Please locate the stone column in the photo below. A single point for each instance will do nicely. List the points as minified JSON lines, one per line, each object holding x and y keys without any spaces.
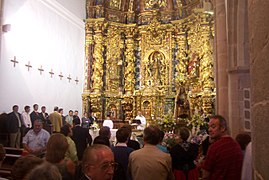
{"x":221,"y":58}
{"x":259,"y":73}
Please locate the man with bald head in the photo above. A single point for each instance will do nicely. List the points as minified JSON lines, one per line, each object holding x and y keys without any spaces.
{"x":98,"y":163}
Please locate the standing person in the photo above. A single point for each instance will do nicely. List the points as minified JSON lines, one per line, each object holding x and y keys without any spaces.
{"x":142,"y":120}
{"x":98,"y":163}
{"x":35,"y":114}
{"x":14,"y":125}
{"x":108,"y":122}
{"x":92,"y":118}
{"x":149,"y":162}
{"x":56,"y":120}
{"x":75,"y":116}
{"x":69,"y":117}
{"x":224,"y":157}
{"x":85,"y":121}
{"x":81,"y":137}
{"x":26,"y":120}
{"x":121,"y":154}
{"x":35,"y":141}
{"x":43,"y":115}
{"x":183,"y":155}
{"x":61,"y":112}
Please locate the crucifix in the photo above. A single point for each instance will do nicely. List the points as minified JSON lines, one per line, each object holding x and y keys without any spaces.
{"x":14,"y":61}
{"x":69,"y":78}
{"x":51,"y":73}
{"x":40,"y":69}
{"x":61,"y":75}
{"x":28,"y":65}
{"x":77,"y":80}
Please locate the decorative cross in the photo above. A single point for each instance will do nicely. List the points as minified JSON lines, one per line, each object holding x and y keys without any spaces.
{"x":14,"y":61}
{"x":51,"y":73}
{"x":40,"y":69}
{"x":61,"y":75}
{"x":28,"y":65}
{"x":69,"y":78}
{"x":77,"y":80}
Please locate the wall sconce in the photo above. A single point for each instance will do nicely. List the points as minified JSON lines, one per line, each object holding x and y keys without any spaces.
{"x":6,"y":27}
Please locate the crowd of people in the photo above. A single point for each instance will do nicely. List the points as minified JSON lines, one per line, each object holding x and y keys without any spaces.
{"x":69,"y":152}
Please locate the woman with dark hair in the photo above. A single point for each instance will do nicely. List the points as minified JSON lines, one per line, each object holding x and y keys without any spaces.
{"x":183,"y":156}
{"x":56,"y":149}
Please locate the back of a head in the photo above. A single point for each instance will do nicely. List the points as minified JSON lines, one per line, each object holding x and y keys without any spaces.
{"x":45,"y":171}
{"x":101,"y":140}
{"x":105,"y":131}
{"x":24,"y":165}
{"x":184,"y":133}
{"x":76,"y":121}
{"x":90,"y":155}
{"x":122,"y":135}
{"x":56,"y":148}
{"x":55,"y":108}
{"x":152,"y":135}
{"x":243,"y":139}
{"x":65,"y":130}
{"x":129,"y":127}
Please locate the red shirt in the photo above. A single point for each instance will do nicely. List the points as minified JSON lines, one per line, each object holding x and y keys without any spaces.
{"x":224,"y":160}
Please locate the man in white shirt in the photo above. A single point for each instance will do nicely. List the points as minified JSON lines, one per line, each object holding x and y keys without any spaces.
{"x":26,"y":120}
{"x":35,"y":141}
{"x":109,"y":123}
{"x":142,"y":120}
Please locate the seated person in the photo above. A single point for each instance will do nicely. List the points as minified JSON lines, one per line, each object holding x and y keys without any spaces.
{"x":35,"y":141}
{"x":108,"y":122}
{"x":142,"y":120}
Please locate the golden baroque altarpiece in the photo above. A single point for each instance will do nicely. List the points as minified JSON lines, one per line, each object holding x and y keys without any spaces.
{"x":153,"y":55}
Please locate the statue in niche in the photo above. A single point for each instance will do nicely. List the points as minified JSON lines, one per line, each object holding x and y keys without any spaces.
{"x":156,"y":68}
{"x":193,"y":66}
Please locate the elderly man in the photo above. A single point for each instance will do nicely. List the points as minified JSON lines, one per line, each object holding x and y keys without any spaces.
{"x":98,"y":163}
{"x":149,"y":162}
{"x":224,"y":157}
{"x":35,"y":141}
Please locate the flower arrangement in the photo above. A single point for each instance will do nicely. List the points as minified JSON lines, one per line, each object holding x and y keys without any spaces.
{"x":95,"y":126}
{"x":170,"y":140}
{"x":167,"y":124}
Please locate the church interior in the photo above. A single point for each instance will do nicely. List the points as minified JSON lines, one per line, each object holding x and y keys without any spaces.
{"x":183,"y":58}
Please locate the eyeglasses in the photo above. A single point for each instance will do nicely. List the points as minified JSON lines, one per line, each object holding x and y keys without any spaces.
{"x":107,"y":165}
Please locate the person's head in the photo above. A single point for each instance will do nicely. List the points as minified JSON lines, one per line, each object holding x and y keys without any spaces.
{"x":27,"y":109}
{"x":217,"y":127}
{"x":98,"y":162}
{"x":76,"y":121}
{"x":129,"y":128}
{"x":61,"y":111}
{"x":76,"y":113}
{"x":161,"y":136}
{"x":45,"y":171}
{"x":24,"y":165}
{"x":86,"y":114}
{"x":35,"y":106}
{"x":56,"y":108}
{"x":66,"y":130}
{"x":70,"y":113}
{"x":43,"y":109}
{"x":105,"y":131}
{"x":151,"y":135}
{"x":184,"y":133}
{"x":56,"y":148}
{"x":243,"y":139}
{"x":37,"y":126}
{"x":122,"y":135}
{"x":101,"y":140}
{"x":139,"y":113}
{"x":15,"y":108}
{"x":108,"y":116}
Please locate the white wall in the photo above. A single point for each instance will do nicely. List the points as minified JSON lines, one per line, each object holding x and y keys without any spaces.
{"x":46,"y":34}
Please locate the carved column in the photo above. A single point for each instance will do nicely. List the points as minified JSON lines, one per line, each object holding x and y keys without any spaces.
{"x":129,"y":76}
{"x":221,"y":58}
{"x":98,"y":59}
